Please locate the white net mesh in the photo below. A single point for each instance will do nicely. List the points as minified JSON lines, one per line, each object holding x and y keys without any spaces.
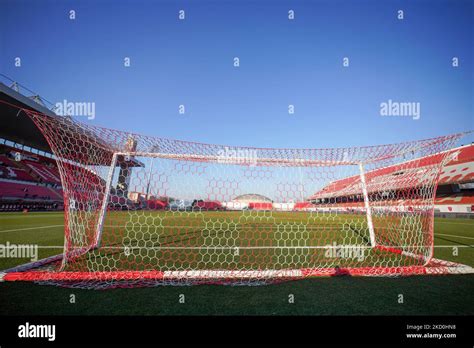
{"x":144,"y":210}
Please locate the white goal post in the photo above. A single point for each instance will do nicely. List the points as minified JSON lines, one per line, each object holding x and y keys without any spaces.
{"x":144,"y":211}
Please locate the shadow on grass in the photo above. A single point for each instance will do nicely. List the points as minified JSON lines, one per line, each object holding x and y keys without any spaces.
{"x":422,"y":295}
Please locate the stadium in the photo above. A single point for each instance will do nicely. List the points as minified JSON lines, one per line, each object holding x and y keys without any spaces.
{"x":302,"y":165}
{"x":182,"y":215}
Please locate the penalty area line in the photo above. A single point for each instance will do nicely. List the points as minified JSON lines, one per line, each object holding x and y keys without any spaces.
{"x":39,"y":228}
{"x":245,"y":248}
{"x":31,"y":228}
{"x":452,"y":235}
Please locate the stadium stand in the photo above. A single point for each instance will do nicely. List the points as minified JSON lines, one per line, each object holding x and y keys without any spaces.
{"x":46,"y":172}
{"x":33,"y":182}
{"x":260,"y":206}
{"x":207,"y":205}
{"x":155,"y":204}
{"x":455,"y":192}
{"x":10,"y":170}
{"x":26,"y":190}
{"x":302,"y":206}
{"x":28,"y":181}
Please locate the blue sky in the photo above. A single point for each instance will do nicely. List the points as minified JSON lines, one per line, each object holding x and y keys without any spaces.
{"x":283,"y":62}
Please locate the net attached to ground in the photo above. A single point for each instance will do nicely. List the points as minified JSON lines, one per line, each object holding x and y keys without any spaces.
{"x":143,"y":210}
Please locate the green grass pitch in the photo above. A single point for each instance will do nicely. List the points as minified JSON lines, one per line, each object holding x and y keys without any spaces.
{"x":442,"y":295}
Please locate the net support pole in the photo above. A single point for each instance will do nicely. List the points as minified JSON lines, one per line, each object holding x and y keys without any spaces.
{"x":368,"y":211}
{"x":105,"y":202}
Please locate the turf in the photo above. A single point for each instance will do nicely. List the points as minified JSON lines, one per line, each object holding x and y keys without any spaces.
{"x":340,"y":295}
{"x":241,"y":240}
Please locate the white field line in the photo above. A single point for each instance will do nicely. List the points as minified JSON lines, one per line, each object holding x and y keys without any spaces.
{"x":249,"y":248}
{"x":452,"y":235}
{"x":452,"y":246}
{"x":36,"y":228}
{"x":31,"y":228}
{"x":27,"y":216}
{"x":294,"y":227}
{"x":173,"y":227}
{"x":454,"y":223}
{"x":32,"y":215}
{"x":315,"y":228}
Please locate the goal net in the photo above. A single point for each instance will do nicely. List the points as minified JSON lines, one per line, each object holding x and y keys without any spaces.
{"x":143,"y":211}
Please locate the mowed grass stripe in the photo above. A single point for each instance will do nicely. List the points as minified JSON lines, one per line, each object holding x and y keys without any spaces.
{"x":447,"y":231}
{"x":441,"y":295}
{"x":239,"y":229}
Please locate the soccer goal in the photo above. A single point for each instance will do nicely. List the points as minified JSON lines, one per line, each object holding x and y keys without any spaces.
{"x":144,"y":211}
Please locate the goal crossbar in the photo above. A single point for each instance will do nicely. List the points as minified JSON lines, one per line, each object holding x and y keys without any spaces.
{"x":144,"y":211}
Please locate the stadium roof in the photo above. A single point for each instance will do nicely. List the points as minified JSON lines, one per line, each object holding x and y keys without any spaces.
{"x":252,"y":197}
{"x":16,"y":125}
